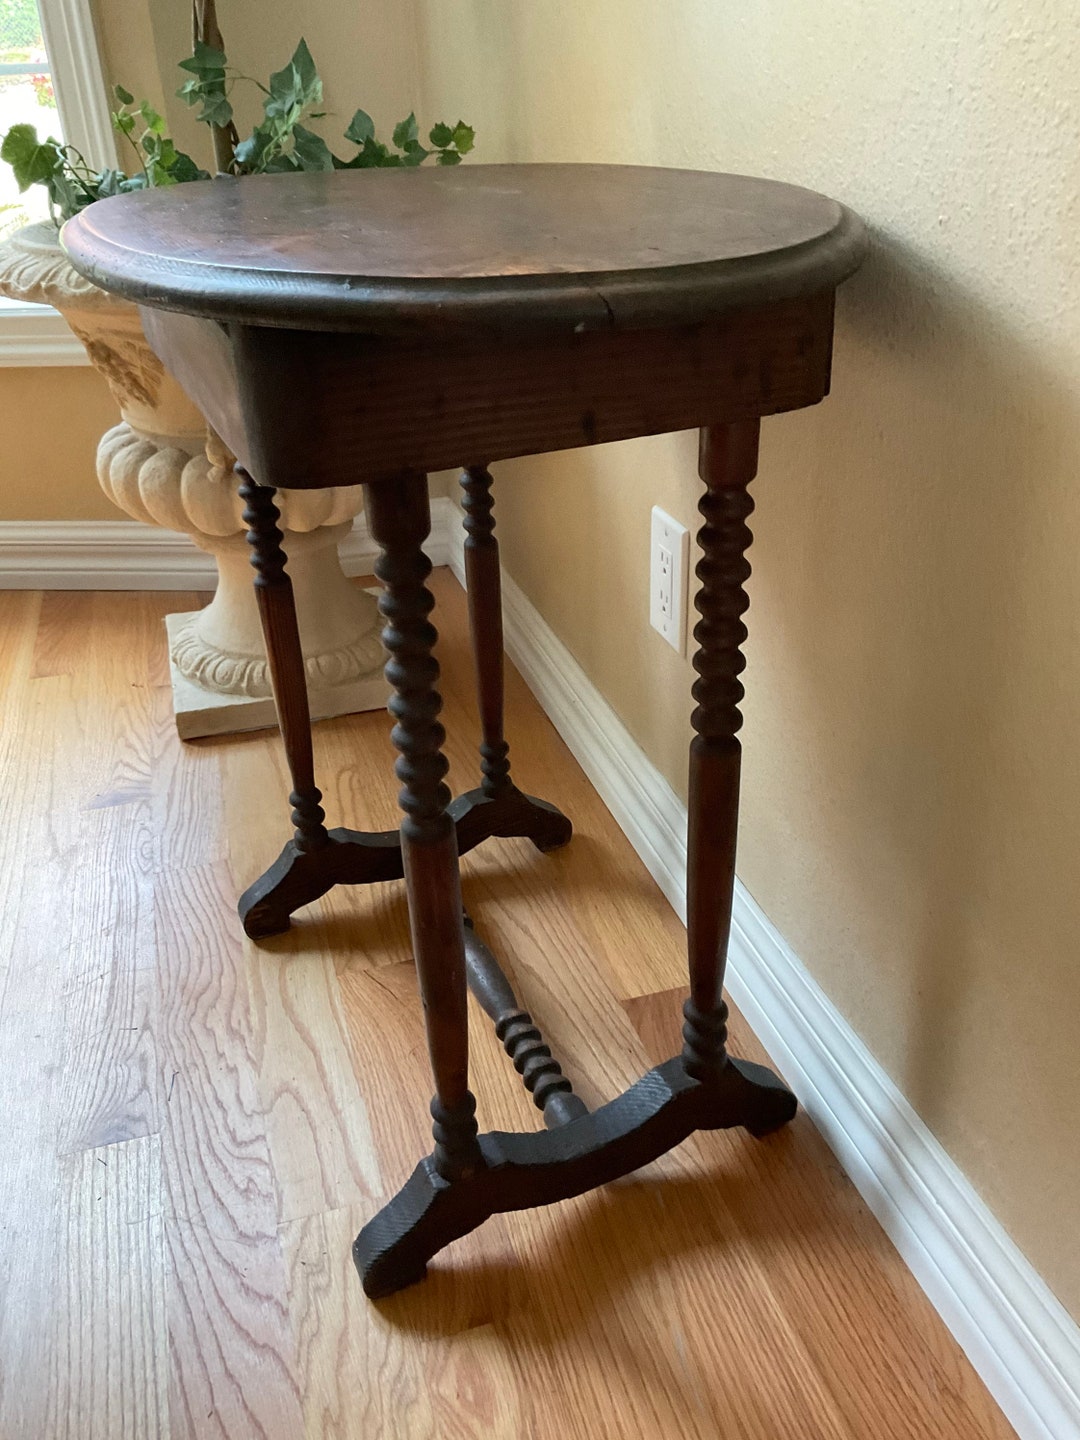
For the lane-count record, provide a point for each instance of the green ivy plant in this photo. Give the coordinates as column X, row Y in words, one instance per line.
column 72, row 184
column 279, row 144
column 282, row 143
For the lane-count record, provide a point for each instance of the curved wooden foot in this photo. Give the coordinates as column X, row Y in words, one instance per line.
column 519, row 1171
column 357, row 857
column 509, row 814
column 297, row 877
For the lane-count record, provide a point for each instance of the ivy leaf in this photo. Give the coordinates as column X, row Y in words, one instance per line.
column 311, row 150
column 306, row 75
column 415, row 154
column 109, row 182
column 361, row 128
column 283, row 92
column 294, row 88
column 207, row 64
column 448, row 157
column 464, row 137
column 216, row 110
column 154, row 121
column 184, row 169
column 441, row 136
column 205, row 61
column 34, row 161
column 404, row 131
column 250, row 152
column 124, row 96
column 373, row 156
column 282, row 164
column 64, row 194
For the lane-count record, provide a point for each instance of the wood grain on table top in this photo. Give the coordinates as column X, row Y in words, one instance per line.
column 593, row 246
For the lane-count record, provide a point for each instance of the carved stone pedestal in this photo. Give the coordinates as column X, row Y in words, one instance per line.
column 161, row 466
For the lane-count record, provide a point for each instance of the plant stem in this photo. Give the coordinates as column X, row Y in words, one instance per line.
column 205, row 27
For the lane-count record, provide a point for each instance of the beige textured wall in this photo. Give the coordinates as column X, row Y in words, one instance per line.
column 50, row 423
column 912, row 795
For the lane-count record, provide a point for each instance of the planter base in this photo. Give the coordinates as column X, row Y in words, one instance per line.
column 202, row 712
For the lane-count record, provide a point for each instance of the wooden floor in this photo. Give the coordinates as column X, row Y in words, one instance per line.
column 195, row 1127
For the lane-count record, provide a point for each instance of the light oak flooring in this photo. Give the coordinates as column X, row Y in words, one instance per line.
column 194, row 1128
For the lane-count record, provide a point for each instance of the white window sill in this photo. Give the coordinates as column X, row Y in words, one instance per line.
column 32, row 335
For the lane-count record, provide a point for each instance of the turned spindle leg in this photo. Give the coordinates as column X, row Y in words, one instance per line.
column 498, row 807
column 700, row 1089
column 277, row 612
column 399, row 519
column 485, row 624
column 727, row 464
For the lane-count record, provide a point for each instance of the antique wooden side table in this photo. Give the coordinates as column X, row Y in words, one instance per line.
column 418, row 320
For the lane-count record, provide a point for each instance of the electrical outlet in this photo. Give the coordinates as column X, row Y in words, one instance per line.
column 669, row 559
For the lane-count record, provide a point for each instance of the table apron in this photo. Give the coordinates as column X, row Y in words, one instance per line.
column 309, row 409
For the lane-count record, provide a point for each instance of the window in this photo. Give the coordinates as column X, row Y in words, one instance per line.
column 27, row 96
column 51, row 76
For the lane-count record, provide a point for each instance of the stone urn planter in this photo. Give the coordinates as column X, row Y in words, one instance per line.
column 163, row 466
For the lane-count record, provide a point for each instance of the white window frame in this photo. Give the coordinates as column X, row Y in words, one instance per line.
column 36, row 334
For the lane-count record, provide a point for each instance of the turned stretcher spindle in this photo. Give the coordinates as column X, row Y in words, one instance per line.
column 552, row 1092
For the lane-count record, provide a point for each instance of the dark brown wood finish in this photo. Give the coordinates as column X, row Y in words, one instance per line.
column 277, row 612
column 481, row 248
column 266, row 391
column 529, row 308
column 368, row 857
column 517, row 1171
column 400, row 521
column 483, row 583
column 542, row 1074
column 727, row 464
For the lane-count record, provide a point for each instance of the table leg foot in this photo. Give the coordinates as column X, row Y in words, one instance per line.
column 510, row 814
column 520, row 1171
column 428, row 1213
column 357, row 857
column 293, row 880
column 758, row 1098
column 518, row 814
column 298, row 877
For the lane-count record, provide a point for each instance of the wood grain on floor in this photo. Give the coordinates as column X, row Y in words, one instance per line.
column 196, row 1127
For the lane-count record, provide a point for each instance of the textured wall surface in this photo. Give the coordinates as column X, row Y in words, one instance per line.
column 50, row 423
column 912, row 794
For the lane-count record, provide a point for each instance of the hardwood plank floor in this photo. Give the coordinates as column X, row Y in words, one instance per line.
column 196, row 1127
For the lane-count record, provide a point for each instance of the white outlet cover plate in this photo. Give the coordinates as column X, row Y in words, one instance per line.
column 669, row 563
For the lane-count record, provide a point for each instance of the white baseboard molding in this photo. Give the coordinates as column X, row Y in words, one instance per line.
column 1022, row 1342
column 127, row 555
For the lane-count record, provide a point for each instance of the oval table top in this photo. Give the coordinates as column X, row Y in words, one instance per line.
column 489, row 246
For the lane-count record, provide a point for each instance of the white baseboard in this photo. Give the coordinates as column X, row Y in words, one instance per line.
column 1021, row 1341
column 127, row 555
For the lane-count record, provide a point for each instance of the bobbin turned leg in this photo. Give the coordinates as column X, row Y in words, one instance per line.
column 498, row 807
column 701, row 1089
column 727, row 464
column 311, row 864
column 277, row 612
column 399, row 520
